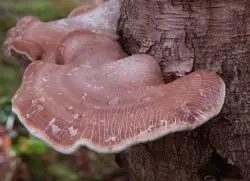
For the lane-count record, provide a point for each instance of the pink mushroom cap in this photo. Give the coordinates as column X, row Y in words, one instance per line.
column 107, row 101
column 84, row 90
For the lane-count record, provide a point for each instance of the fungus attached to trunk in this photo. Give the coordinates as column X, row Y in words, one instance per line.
column 107, row 102
column 91, row 93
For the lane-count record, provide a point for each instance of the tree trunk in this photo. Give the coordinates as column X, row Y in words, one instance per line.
column 184, row 35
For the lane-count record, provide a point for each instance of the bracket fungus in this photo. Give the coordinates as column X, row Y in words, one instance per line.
column 92, row 93
column 88, row 6
column 34, row 40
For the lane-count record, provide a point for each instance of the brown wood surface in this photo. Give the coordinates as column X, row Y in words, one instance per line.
column 185, row 35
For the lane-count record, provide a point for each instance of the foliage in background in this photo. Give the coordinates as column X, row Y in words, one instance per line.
column 32, row 158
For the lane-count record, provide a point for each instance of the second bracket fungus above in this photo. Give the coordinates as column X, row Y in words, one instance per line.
column 94, row 94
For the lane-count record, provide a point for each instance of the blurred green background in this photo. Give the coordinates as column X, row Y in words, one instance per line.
column 23, row 157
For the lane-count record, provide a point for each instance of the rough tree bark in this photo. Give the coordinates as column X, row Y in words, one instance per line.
column 185, row 35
